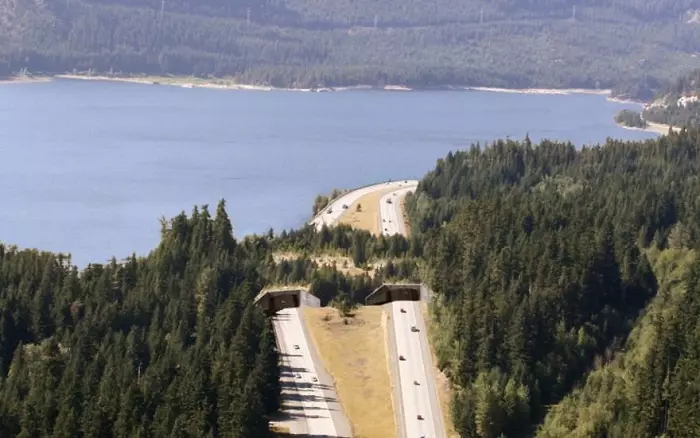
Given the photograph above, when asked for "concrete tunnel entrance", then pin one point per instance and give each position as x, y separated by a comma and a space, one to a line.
273, 300
387, 293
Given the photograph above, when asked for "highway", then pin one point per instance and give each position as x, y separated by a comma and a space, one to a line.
334, 211
414, 378
416, 389
391, 213
312, 406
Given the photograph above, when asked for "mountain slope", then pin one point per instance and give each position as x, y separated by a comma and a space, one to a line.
545, 43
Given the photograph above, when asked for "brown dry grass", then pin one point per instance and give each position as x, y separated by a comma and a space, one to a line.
354, 354
368, 218
442, 383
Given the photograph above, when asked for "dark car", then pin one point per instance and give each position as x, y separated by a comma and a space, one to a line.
414, 329
403, 310
420, 417
402, 358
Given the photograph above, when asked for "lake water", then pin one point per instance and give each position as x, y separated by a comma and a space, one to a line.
89, 168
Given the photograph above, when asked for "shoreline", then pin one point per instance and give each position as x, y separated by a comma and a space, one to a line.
557, 91
25, 80
231, 84
656, 128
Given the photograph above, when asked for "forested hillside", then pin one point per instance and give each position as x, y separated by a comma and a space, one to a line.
678, 104
629, 44
163, 346
540, 259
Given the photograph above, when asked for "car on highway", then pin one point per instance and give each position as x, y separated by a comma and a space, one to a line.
415, 382
414, 328
420, 417
403, 310
388, 201
345, 207
296, 347
329, 211
402, 358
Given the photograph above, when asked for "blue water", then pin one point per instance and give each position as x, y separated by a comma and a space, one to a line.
90, 167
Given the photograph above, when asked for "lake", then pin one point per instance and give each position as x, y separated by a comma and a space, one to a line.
90, 167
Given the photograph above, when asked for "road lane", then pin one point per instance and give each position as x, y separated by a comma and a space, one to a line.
305, 400
418, 399
430, 375
408, 394
391, 213
336, 207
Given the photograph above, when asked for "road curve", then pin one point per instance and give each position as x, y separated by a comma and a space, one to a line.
334, 211
421, 414
312, 406
390, 210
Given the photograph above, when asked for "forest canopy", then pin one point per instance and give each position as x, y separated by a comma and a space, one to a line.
540, 260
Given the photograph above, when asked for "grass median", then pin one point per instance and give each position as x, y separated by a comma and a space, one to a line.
353, 352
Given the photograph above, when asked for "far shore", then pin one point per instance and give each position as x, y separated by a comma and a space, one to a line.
658, 128
231, 84
25, 79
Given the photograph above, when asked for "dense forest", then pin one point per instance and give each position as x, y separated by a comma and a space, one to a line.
543, 259
633, 45
167, 345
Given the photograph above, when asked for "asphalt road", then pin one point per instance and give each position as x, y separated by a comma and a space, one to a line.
391, 213
417, 393
336, 207
312, 407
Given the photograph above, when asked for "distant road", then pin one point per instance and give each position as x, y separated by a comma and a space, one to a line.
421, 413
312, 406
334, 211
391, 212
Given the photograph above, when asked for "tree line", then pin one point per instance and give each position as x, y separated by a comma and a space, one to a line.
539, 258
